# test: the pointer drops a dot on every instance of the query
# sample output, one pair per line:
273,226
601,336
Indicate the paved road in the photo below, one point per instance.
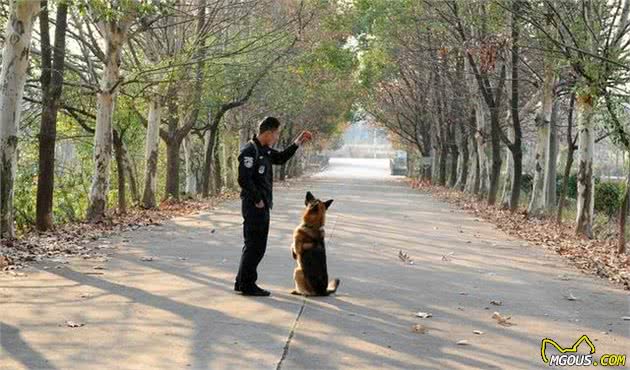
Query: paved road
178,311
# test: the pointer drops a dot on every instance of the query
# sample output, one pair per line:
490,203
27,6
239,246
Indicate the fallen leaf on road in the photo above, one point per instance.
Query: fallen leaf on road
73,324
478,332
423,315
445,258
99,267
496,303
502,320
403,256
146,259
571,297
463,343
419,328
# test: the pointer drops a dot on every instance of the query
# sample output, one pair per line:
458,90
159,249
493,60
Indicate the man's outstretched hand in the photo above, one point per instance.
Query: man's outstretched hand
304,137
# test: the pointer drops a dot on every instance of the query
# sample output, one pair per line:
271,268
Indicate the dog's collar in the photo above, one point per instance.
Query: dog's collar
312,227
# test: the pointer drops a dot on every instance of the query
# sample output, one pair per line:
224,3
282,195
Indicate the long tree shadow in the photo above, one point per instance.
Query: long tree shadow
12,342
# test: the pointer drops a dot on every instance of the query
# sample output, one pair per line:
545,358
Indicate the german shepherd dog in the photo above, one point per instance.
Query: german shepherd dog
311,274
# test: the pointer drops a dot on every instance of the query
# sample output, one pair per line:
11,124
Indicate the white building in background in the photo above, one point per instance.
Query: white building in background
363,140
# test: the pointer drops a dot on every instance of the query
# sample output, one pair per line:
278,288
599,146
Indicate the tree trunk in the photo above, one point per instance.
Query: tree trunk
15,58
506,197
453,165
191,178
472,183
569,164
537,201
442,163
462,160
120,169
151,154
115,35
130,169
207,177
172,168
517,177
623,216
586,183
52,84
495,169
217,169
551,160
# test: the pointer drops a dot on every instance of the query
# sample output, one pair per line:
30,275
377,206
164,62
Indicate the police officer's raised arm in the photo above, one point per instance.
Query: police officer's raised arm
246,162
283,156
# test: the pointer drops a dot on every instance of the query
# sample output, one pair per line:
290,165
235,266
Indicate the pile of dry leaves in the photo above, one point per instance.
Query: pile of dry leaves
74,239
597,257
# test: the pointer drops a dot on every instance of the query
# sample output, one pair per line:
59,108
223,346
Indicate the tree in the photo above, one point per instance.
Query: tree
53,64
113,26
15,58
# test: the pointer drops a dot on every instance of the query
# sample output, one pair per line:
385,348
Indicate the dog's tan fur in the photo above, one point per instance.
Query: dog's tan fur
310,234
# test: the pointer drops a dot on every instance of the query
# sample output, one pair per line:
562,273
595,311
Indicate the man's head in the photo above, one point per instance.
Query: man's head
269,131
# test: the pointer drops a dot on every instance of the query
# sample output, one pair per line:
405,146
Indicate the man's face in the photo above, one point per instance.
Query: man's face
270,138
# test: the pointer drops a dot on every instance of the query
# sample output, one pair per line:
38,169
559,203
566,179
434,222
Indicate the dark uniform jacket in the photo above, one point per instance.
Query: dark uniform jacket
255,175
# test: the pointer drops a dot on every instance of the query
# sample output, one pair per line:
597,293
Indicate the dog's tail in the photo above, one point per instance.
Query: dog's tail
332,286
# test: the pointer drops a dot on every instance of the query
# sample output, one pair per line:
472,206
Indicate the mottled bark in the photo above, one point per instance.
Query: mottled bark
151,154
543,119
115,35
551,160
15,57
191,178
623,217
586,182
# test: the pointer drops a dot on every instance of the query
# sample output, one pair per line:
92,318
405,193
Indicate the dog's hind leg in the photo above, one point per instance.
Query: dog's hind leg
300,283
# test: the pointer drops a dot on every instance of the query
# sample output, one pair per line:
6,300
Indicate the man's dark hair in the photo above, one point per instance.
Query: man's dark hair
268,124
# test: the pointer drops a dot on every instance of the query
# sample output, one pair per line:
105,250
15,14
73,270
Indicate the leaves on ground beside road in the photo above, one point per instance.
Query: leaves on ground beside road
478,332
463,343
496,302
77,239
403,256
597,257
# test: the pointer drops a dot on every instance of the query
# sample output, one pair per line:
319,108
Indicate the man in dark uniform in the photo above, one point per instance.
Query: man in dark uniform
255,176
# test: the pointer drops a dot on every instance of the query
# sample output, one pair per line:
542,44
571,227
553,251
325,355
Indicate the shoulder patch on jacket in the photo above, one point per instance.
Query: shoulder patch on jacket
248,161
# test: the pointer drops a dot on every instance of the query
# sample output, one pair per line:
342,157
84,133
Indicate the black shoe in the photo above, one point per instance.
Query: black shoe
256,291
237,287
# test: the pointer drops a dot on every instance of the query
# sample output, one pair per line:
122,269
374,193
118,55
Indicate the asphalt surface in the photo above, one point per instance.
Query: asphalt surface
164,299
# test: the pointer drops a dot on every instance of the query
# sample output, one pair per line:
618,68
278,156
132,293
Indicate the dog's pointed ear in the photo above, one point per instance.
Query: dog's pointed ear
328,203
309,198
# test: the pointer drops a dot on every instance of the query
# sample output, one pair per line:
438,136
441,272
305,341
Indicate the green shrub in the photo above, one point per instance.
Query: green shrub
572,186
608,197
